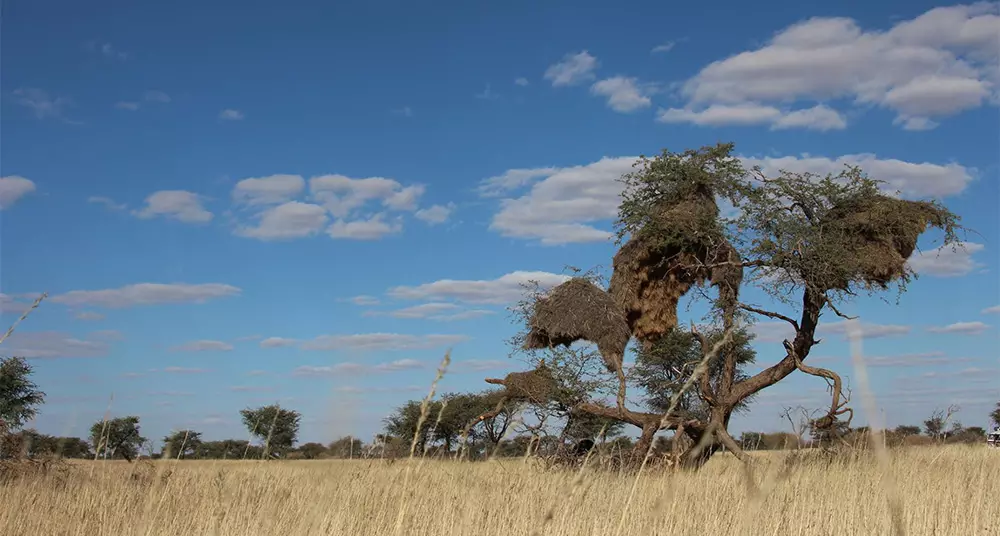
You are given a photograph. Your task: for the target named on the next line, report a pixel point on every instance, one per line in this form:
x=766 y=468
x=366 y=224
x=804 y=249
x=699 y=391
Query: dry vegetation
x=949 y=490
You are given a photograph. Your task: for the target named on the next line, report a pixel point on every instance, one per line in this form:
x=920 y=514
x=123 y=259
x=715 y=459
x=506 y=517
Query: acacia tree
x=809 y=242
x=182 y=444
x=19 y=396
x=117 y=438
x=276 y=427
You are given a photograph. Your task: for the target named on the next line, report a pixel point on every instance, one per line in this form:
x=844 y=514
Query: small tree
x=274 y=426
x=995 y=415
x=311 y=450
x=906 y=430
x=936 y=425
x=19 y=396
x=346 y=447
x=402 y=423
x=182 y=444
x=117 y=438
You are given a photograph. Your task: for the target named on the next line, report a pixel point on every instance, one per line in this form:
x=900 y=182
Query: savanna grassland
x=948 y=490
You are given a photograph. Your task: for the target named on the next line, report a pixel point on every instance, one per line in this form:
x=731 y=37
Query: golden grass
x=949 y=490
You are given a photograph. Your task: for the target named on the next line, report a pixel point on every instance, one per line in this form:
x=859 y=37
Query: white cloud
x=624 y=95
x=147 y=294
x=335 y=370
x=961 y=328
x=380 y=341
x=341 y=195
x=182 y=370
x=52 y=344
x=435 y=214
x=819 y=117
x=277 y=342
x=477 y=365
x=180 y=205
x=40 y=102
x=271 y=190
x=251 y=388
x=371 y=229
x=156 y=96
x=938 y=64
x=572 y=70
x=912 y=360
x=778 y=331
x=230 y=114
x=424 y=310
x=521 y=81
x=487 y=94
x=127 y=105
x=665 y=47
x=402 y=364
x=91 y=316
x=462 y=315
x=503 y=290
x=293 y=219
x=12 y=188
x=203 y=346
x=107 y=335
x=107 y=202
x=405 y=111
x=364 y=300
x=107 y=50
x=562 y=203
x=991 y=310
x=913 y=179
x=10 y=304
x=946 y=261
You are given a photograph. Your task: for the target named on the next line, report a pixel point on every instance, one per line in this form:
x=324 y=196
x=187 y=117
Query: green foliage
x=182 y=444
x=117 y=438
x=582 y=425
x=995 y=415
x=662 y=369
x=346 y=447
x=274 y=426
x=19 y=396
x=402 y=423
x=311 y=450
x=33 y=444
x=906 y=430
x=228 y=449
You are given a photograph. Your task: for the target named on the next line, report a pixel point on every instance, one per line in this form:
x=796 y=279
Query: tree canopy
x=19 y=395
x=276 y=427
x=117 y=438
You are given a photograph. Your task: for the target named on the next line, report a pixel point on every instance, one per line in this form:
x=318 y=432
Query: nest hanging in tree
x=537 y=386
x=579 y=310
x=876 y=236
x=653 y=270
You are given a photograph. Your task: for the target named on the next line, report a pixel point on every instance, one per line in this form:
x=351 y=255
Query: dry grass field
x=943 y=490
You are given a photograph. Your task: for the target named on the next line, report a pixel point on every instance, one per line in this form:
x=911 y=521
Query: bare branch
x=837 y=311
x=770 y=314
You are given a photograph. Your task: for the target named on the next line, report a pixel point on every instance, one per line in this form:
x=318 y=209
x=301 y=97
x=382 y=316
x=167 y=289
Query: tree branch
x=769 y=314
x=837 y=312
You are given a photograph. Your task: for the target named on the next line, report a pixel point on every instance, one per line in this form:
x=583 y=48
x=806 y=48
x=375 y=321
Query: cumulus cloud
x=107 y=202
x=820 y=117
x=277 y=342
x=435 y=214
x=564 y=205
x=147 y=294
x=572 y=70
x=270 y=190
x=505 y=289
x=779 y=331
x=961 y=328
x=53 y=344
x=364 y=229
x=401 y=364
x=42 y=104
x=203 y=346
x=938 y=64
x=230 y=114
x=624 y=94
x=180 y=205
x=947 y=261
x=289 y=220
x=12 y=188
x=380 y=341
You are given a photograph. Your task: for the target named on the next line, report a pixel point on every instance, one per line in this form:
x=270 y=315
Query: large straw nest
x=579 y=310
x=653 y=270
x=537 y=386
x=876 y=236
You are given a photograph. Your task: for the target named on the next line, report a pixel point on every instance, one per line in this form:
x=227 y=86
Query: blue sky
x=233 y=204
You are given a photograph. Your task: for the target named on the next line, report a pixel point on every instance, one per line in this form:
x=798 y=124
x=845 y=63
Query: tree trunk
x=645 y=441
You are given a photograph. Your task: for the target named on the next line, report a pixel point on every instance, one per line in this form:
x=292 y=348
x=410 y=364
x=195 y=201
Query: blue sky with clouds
x=233 y=204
